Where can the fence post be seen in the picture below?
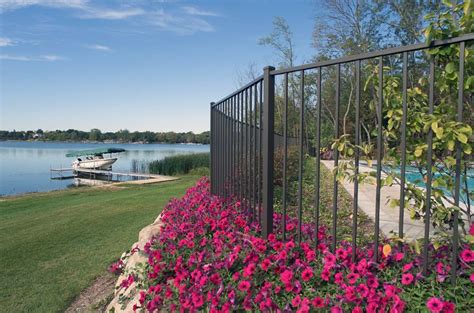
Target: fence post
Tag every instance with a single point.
(267, 149)
(212, 148)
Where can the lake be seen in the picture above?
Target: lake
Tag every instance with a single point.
(25, 166)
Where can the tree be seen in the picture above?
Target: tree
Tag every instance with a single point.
(442, 126)
(95, 134)
(250, 73)
(281, 39)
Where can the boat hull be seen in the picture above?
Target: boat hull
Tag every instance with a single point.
(96, 164)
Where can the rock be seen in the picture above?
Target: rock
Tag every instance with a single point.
(131, 263)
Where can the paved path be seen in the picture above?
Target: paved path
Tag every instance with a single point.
(389, 216)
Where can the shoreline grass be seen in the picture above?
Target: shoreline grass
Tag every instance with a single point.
(55, 244)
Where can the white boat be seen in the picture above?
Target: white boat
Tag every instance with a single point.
(98, 159)
(94, 163)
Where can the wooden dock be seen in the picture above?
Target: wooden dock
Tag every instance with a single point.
(93, 173)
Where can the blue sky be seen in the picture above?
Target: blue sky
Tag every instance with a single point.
(140, 65)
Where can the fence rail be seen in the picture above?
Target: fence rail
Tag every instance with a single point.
(243, 136)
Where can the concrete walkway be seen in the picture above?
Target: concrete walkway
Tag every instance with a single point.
(389, 216)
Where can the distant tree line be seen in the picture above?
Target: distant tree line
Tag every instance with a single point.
(96, 135)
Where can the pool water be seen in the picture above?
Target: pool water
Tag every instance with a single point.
(413, 176)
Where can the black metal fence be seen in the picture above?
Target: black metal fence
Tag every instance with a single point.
(244, 137)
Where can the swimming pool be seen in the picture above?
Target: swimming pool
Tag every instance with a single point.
(413, 176)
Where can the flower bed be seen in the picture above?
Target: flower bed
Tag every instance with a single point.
(208, 257)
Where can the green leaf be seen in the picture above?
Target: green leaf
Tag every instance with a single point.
(467, 149)
(427, 33)
(417, 247)
(470, 239)
(469, 82)
(451, 145)
(450, 68)
(450, 161)
(467, 7)
(418, 152)
(462, 138)
(466, 129)
(447, 3)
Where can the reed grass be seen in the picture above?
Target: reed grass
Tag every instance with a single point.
(179, 164)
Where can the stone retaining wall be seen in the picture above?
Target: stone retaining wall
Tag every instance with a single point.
(132, 261)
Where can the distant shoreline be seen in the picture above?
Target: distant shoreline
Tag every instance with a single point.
(106, 142)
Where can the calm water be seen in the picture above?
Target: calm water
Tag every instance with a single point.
(24, 166)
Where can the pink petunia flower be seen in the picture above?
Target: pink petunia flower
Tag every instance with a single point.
(434, 304)
(467, 255)
(318, 302)
(407, 279)
(407, 267)
(244, 285)
(357, 309)
(372, 282)
(198, 300)
(449, 307)
(307, 274)
(352, 278)
(325, 275)
(265, 264)
(286, 276)
(296, 301)
(249, 269)
(329, 259)
(399, 256)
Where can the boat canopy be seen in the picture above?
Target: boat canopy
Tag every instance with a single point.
(94, 152)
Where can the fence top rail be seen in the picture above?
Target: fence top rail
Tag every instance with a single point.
(253, 82)
(375, 54)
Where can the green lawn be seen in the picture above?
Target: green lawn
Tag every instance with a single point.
(53, 245)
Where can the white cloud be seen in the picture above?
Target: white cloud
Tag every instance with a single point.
(183, 20)
(199, 12)
(181, 25)
(49, 58)
(99, 47)
(87, 10)
(5, 42)
(14, 57)
(109, 14)
(6, 5)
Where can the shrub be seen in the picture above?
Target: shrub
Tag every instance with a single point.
(179, 164)
(208, 257)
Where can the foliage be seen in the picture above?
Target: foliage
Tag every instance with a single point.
(179, 164)
(441, 125)
(208, 257)
(281, 39)
(292, 154)
(96, 135)
(365, 227)
(200, 171)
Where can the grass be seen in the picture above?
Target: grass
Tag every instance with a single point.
(179, 164)
(53, 245)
